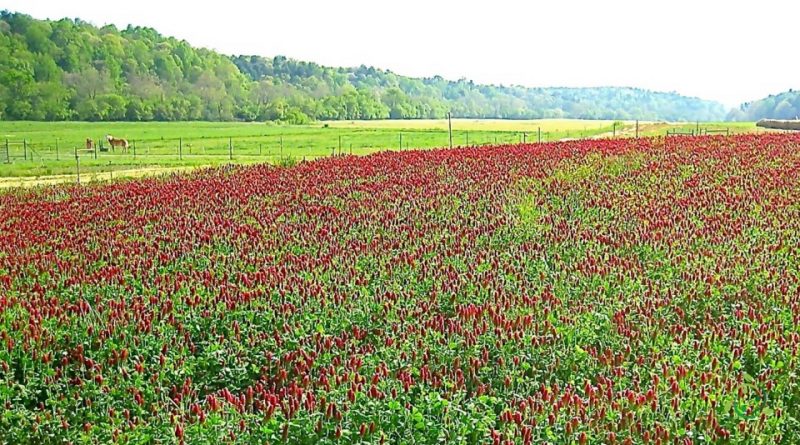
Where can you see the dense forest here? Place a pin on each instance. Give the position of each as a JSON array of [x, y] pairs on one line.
[[71, 70], [782, 106], [370, 93]]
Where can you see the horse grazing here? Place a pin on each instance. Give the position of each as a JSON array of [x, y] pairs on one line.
[[117, 142]]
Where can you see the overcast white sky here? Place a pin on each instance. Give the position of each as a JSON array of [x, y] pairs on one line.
[[731, 51]]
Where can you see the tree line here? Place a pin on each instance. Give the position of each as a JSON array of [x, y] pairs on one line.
[[69, 69], [781, 106]]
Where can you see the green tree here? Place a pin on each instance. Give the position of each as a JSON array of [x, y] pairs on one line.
[[69, 69]]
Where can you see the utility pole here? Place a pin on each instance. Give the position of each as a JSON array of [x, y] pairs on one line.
[[450, 128]]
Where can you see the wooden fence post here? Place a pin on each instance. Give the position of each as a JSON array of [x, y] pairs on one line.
[[230, 149], [78, 165], [450, 128]]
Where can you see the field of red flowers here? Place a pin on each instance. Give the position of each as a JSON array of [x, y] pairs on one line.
[[608, 291]]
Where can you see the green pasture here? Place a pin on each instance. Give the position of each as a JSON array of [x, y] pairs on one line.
[[45, 149]]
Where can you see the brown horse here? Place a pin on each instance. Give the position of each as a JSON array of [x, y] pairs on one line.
[[117, 142], [89, 144]]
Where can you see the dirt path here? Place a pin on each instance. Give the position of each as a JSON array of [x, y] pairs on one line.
[[92, 177]]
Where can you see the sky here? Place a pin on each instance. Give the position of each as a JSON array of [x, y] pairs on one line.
[[730, 51]]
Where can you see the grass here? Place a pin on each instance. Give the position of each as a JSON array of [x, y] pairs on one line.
[[661, 128], [46, 149], [490, 125]]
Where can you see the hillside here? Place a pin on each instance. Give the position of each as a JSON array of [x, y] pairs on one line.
[[71, 70], [369, 93], [782, 106]]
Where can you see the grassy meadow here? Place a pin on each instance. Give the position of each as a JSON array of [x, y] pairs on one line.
[[39, 151]]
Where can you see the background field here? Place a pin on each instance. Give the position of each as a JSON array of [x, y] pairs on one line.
[[37, 152]]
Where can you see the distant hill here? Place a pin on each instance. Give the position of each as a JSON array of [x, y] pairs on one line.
[[374, 93], [71, 70], [782, 106]]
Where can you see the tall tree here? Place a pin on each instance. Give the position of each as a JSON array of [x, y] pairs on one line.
[[69, 69]]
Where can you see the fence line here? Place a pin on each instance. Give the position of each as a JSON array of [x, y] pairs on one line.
[[699, 132], [181, 148], [80, 160]]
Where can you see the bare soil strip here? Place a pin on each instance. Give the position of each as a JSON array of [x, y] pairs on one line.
[[92, 177]]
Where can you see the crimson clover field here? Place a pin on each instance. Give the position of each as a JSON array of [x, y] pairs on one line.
[[604, 291]]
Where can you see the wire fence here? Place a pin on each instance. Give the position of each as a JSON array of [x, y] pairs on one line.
[[267, 148], [55, 156], [699, 132]]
